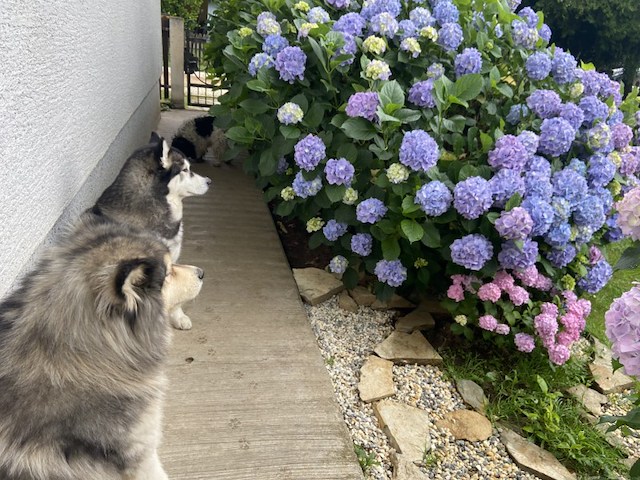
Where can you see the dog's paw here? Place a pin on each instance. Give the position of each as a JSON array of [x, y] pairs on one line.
[[181, 321]]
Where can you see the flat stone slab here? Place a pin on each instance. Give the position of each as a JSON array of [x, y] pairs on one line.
[[408, 348], [606, 380], [407, 428], [362, 296], [395, 302], [466, 425], [376, 379], [316, 285], [534, 459], [472, 394], [591, 400], [434, 307], [404, 469], [345, 302], [418, 319]]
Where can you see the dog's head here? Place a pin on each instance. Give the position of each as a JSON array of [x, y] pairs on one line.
[[182, 181]]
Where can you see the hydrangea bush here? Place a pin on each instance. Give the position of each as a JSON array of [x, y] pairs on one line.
[[437, 146]]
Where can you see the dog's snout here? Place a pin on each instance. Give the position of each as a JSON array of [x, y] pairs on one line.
[[208, 180], [200, 273]]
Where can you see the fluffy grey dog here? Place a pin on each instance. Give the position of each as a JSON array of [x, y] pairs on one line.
[[83, 341]]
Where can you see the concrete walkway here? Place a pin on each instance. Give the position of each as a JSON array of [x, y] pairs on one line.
[[249, 396]]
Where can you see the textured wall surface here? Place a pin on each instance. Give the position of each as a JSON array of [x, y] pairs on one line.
[[78, 92]]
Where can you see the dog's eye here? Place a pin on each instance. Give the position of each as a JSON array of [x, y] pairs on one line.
[[185, 169]]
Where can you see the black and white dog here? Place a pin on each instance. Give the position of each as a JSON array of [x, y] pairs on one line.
[[196, 136]]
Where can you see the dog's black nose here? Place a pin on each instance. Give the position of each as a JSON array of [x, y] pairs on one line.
[[200, 273], [208, 181]]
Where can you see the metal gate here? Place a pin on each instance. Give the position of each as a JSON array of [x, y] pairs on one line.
[[200, 89]]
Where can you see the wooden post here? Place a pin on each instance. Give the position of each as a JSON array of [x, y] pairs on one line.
[[176, 53]]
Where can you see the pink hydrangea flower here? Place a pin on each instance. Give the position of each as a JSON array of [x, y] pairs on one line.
[[629, 209], [559, 354], [502, 329], [622, 326], [549, 309], [543, 283], [528, 276], [489, 292], [595, 255], [504, 280], [518, 295], [456, 292], [570, 296], [546, 327], [524, 342], [488, 322]]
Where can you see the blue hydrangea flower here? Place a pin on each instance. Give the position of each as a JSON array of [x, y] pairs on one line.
[[309, 151], [584, 234], [611, 88], [306, 188], [471, 251], [450, 36], [561, 209], [469, 61], [385, 24], [541, 213], [363, 104], [530, 141], [334, 230], [290, 64], [538, 66], [523, 35], [545, 33], [515, 224], [504, 184], [274, 44], [350, 47], [516, 113], [371, 8], [529, 16], [544, 103], [258, 61], [579, 166], [513, 4], [421, 94], [370, 210], [598, 138], [558, 235], [497, 31], [351, 23], [338, 264], [614, 232], [435, 71], [418, 151], [317, 15], [562, 257], [472, 197], [512, 257], [537, 185], [362, 244], [267, 24], [594, 110], [509, 152], [434, 198], [421, 17], [563, 67], [590, 212], [445, 12], [282, 166], [615, 118], [605, 197], [339, 4], [556, 137], [391, 272], [339, 171], [597, 277], [290, 113], [572, 114], [570, 185], [539, 165], [406, 29]]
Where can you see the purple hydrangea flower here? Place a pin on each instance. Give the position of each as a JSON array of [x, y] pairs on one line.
[[471, 251], [339, 4], [544, 103], [406, 29], [391, 272], [385, 24], [274, 44], [472, 197], [513, 257], [530, 141], [371, 8], [258, 61], [421, 94], [524, 342], [349, 48], [339, 171], [282, 166], [515, 224], [562, 257], [469, 61], [538, 186], [615, 118], [418, 151], [556, 137], [370, 210], [317, 15], [570, 185], [434, 198], [622, 327], [450, 36], [504, 184], [290, 64], [421, 17], [338, 264], [267, 24], [541, 214], [529, 16], [591, 80], [539, 165], [362, 244], [558, 235], [497, 31], [572, 114], [538, 66], [334, 230], [590, 212], [614, 232], [545, 33], [593, 110], [351, 23], [306, 188], [598, 138], [445, 12], [630, 162], [435, 71], [611, 88], [563, 67], [517, 113], [509, 152], [621, 135], [597, 277], [363, 104], [523, 35], [579, 166], [513, 4], [308, 152]]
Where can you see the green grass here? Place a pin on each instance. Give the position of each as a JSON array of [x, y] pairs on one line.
[[620, 283]]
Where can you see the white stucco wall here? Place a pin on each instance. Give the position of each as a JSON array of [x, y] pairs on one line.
[[78, 92]]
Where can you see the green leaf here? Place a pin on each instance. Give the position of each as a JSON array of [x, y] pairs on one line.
[[468, 87], [239, 134], [431, 236], [635, 470], [412, 230], [359, 129], [350, 278], [301, 101], [391, 94], [257, 85], [513, 202], [630, 258], [285, 208], [406, 115], [505, 89], [390, 248], [318, 51], [268, 163], [254, 106], [542, 384], [466, 172], [348, 151], [487, 141], [408, 205], [335, 192], [314, 116], [288, 131]]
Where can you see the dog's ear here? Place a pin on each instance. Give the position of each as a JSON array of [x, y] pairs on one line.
[[161, 152], [136, 276], [155, 138]]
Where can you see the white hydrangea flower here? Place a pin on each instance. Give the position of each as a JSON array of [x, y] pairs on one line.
[[397, 173]]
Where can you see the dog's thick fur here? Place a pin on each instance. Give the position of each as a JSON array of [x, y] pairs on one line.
[[196, 136], [148, 194], [82, 346]]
